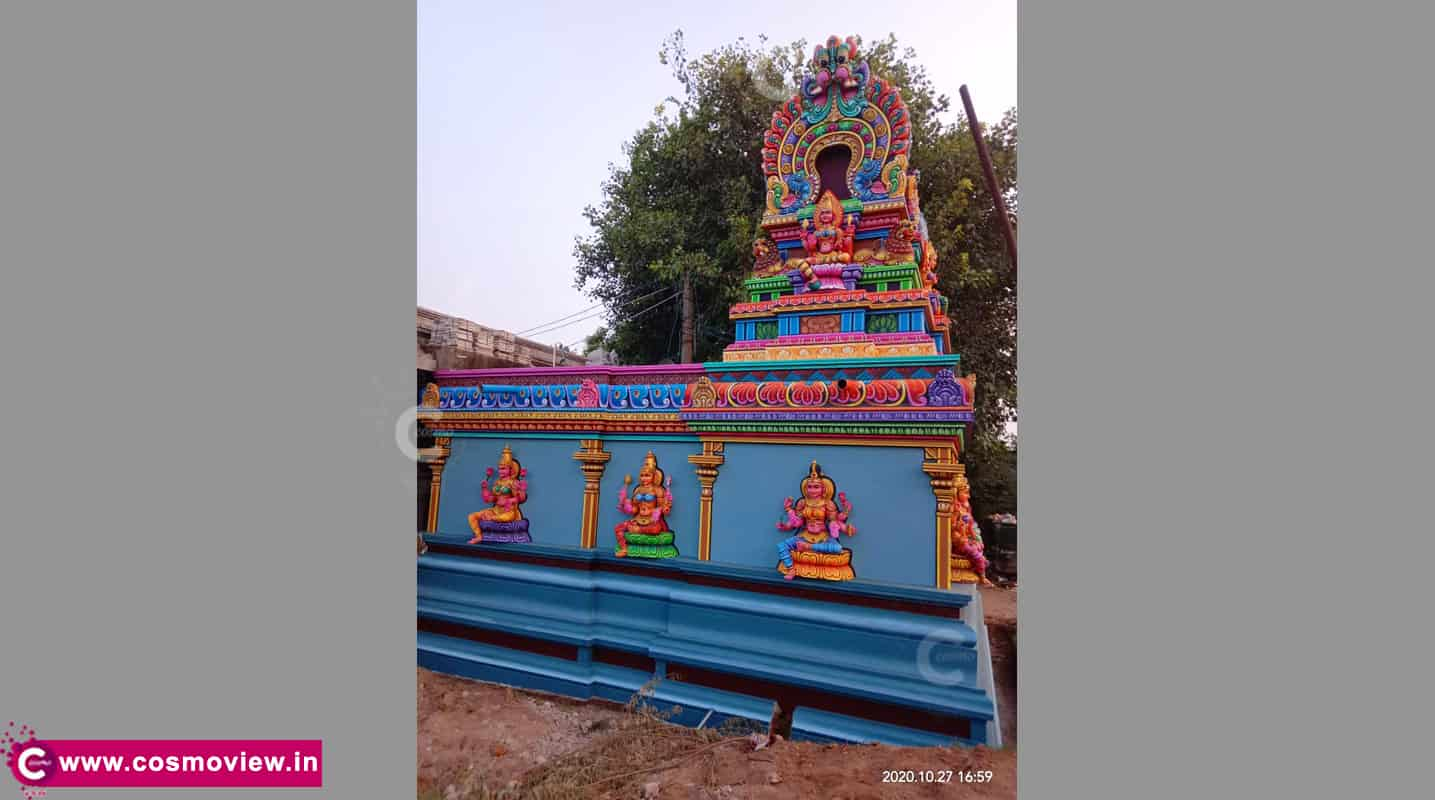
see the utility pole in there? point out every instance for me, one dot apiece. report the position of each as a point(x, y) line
point(991, 177)
point(689, 323)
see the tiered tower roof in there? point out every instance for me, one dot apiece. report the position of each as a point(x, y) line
point(844, 267)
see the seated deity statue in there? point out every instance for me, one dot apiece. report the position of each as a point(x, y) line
point(828, 240)
point(504, 521)
point(969, 561)
point(645, 534)
point(820, 517)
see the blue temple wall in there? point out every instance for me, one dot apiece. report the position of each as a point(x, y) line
point(893, 506)
point(672, 458)
point(555, 486)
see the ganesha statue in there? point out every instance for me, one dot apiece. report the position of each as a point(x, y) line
point(820, 519)
point(828, 240)
point(503, 521)
point(645, 534)
point(969, 561)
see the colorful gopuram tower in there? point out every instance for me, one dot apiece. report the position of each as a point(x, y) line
point(800, 505)
point(845, 268)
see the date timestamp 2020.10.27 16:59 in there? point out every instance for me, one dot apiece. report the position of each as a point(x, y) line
point(936, 776)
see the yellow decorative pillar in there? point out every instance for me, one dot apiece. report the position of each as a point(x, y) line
point(707, 465)
point(436, 457)
point(592, 459)
point(940, 464)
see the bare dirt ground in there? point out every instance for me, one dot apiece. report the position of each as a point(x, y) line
point(478, 741)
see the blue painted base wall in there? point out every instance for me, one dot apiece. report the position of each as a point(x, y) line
point(894, 509)
point(824, 646)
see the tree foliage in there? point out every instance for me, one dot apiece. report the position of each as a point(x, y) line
point(691, 196)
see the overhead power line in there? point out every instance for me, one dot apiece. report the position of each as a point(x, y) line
point(586, 310)
point(630, 317)
point(560, 319)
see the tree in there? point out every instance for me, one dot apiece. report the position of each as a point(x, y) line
point(595, 340)
point(691, 196)
point(687, 201)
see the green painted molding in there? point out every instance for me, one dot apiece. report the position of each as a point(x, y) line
point(774, 284)
point(889, 272)
point(767, 284)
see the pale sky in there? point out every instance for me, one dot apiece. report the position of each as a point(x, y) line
point(523, 105)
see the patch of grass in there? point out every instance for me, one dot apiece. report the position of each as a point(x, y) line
point(740, 726)
point(620, 755)
point(637, 743)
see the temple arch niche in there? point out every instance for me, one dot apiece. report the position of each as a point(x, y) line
point(833, 164)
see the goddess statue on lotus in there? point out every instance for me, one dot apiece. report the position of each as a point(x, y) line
point(816, 551)
point(646, 534)
point(503, 521)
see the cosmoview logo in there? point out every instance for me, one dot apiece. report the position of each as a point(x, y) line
point(35, 762)
point(40, 766)
point(31, 761)
point(941, 656)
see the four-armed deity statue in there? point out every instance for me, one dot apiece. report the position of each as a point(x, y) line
point(969, 561)
point(504, 521)
point(646, 534)
point(827, 240)
point(816, 551)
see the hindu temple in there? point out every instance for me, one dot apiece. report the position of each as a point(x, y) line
point(789, 525)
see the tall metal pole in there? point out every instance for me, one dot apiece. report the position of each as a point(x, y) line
point(990, 175)
point(689, 322)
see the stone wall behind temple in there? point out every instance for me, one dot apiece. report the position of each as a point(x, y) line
point(893, 505)
point(445, 342)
